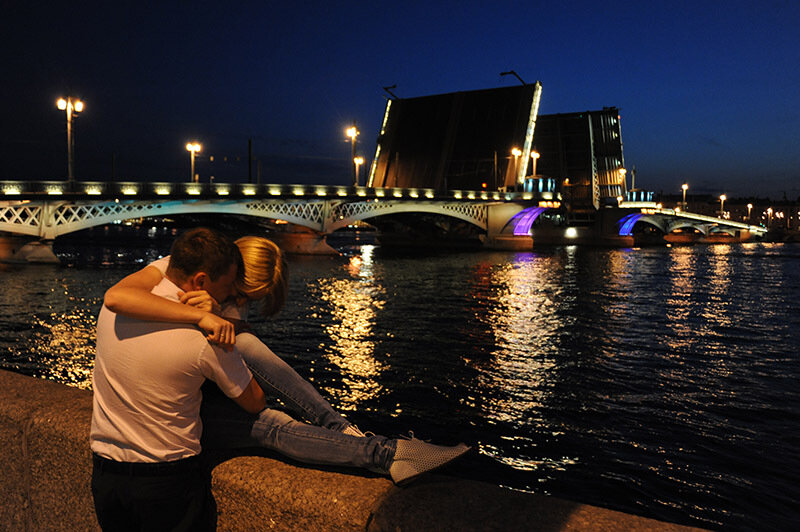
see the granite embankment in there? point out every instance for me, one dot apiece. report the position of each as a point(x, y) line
point(46, 466)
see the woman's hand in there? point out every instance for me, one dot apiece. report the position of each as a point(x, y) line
point(218, 330)
point(200, 299)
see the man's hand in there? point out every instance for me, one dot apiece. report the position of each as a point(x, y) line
point(218, 330)
point(200, 299)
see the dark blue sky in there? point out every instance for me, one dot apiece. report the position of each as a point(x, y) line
point(708, 90)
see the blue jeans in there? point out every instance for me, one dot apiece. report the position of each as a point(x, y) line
point(226, 426)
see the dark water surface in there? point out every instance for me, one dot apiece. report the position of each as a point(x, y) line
point(663, 382)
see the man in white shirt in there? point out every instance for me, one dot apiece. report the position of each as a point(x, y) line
point(146, 428)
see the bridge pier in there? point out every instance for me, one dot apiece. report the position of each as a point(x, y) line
point(23, 249)
point(499, 234)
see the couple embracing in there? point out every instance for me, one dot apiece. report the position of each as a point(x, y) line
point(166, 330)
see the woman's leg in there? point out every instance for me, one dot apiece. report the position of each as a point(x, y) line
point(278, 378)
point(226, 426)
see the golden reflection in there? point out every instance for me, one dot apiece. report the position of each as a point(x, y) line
point(354, 302)
point(523, 317)
point(681, 308)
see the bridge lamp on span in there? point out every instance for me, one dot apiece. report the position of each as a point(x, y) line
point(684, 187)
point(352, 133)
point(722, 199)
point(535, 156)
point(749, 209)
point(358, 161)
point(516, 152)
point(72, 106)
point(193, 148)
point(622, 172)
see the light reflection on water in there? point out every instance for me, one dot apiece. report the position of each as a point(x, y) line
point(352, 303)
point(657, 381)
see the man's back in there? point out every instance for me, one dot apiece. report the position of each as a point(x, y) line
point(147, 386)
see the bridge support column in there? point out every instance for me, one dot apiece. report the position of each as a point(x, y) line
point(21, 250)
point(501, 236)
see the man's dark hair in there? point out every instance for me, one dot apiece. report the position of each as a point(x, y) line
point(204, 250)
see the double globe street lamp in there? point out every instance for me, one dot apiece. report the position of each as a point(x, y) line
point(72, 106)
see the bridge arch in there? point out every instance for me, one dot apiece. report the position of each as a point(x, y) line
point(345, 214)
point(627, 223)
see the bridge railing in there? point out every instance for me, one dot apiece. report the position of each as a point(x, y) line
point(13, 190)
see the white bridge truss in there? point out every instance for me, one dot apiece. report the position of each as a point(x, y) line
point(49, 219)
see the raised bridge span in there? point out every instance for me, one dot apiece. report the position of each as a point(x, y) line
point(45, 210)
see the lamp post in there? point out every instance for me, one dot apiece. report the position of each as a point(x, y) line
point(722, 199)
point(72, 106)
point(749, 208)
point(358, 161)
point(193, 148)
point(352, 133)
point(684, 187)
point(516, 152)
point(535, 156)
point(769, 217)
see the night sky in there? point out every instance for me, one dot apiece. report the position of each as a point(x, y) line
point(708, 90)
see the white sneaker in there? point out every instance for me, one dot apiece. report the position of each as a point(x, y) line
point(414, 457)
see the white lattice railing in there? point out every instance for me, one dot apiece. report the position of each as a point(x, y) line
point(51, 219)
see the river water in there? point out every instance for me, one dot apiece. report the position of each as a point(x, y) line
point(658, 381)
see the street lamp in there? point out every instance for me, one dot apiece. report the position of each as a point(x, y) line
point(722, 199)
point(535, 156)
point(516, 152)
point(684, 187)
point(358, 161)
point(193, 148)
point(72, 106)
point(352, 132)
point(749, 208)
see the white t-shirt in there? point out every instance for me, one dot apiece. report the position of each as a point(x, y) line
point(229, 309)
point(147, 379)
